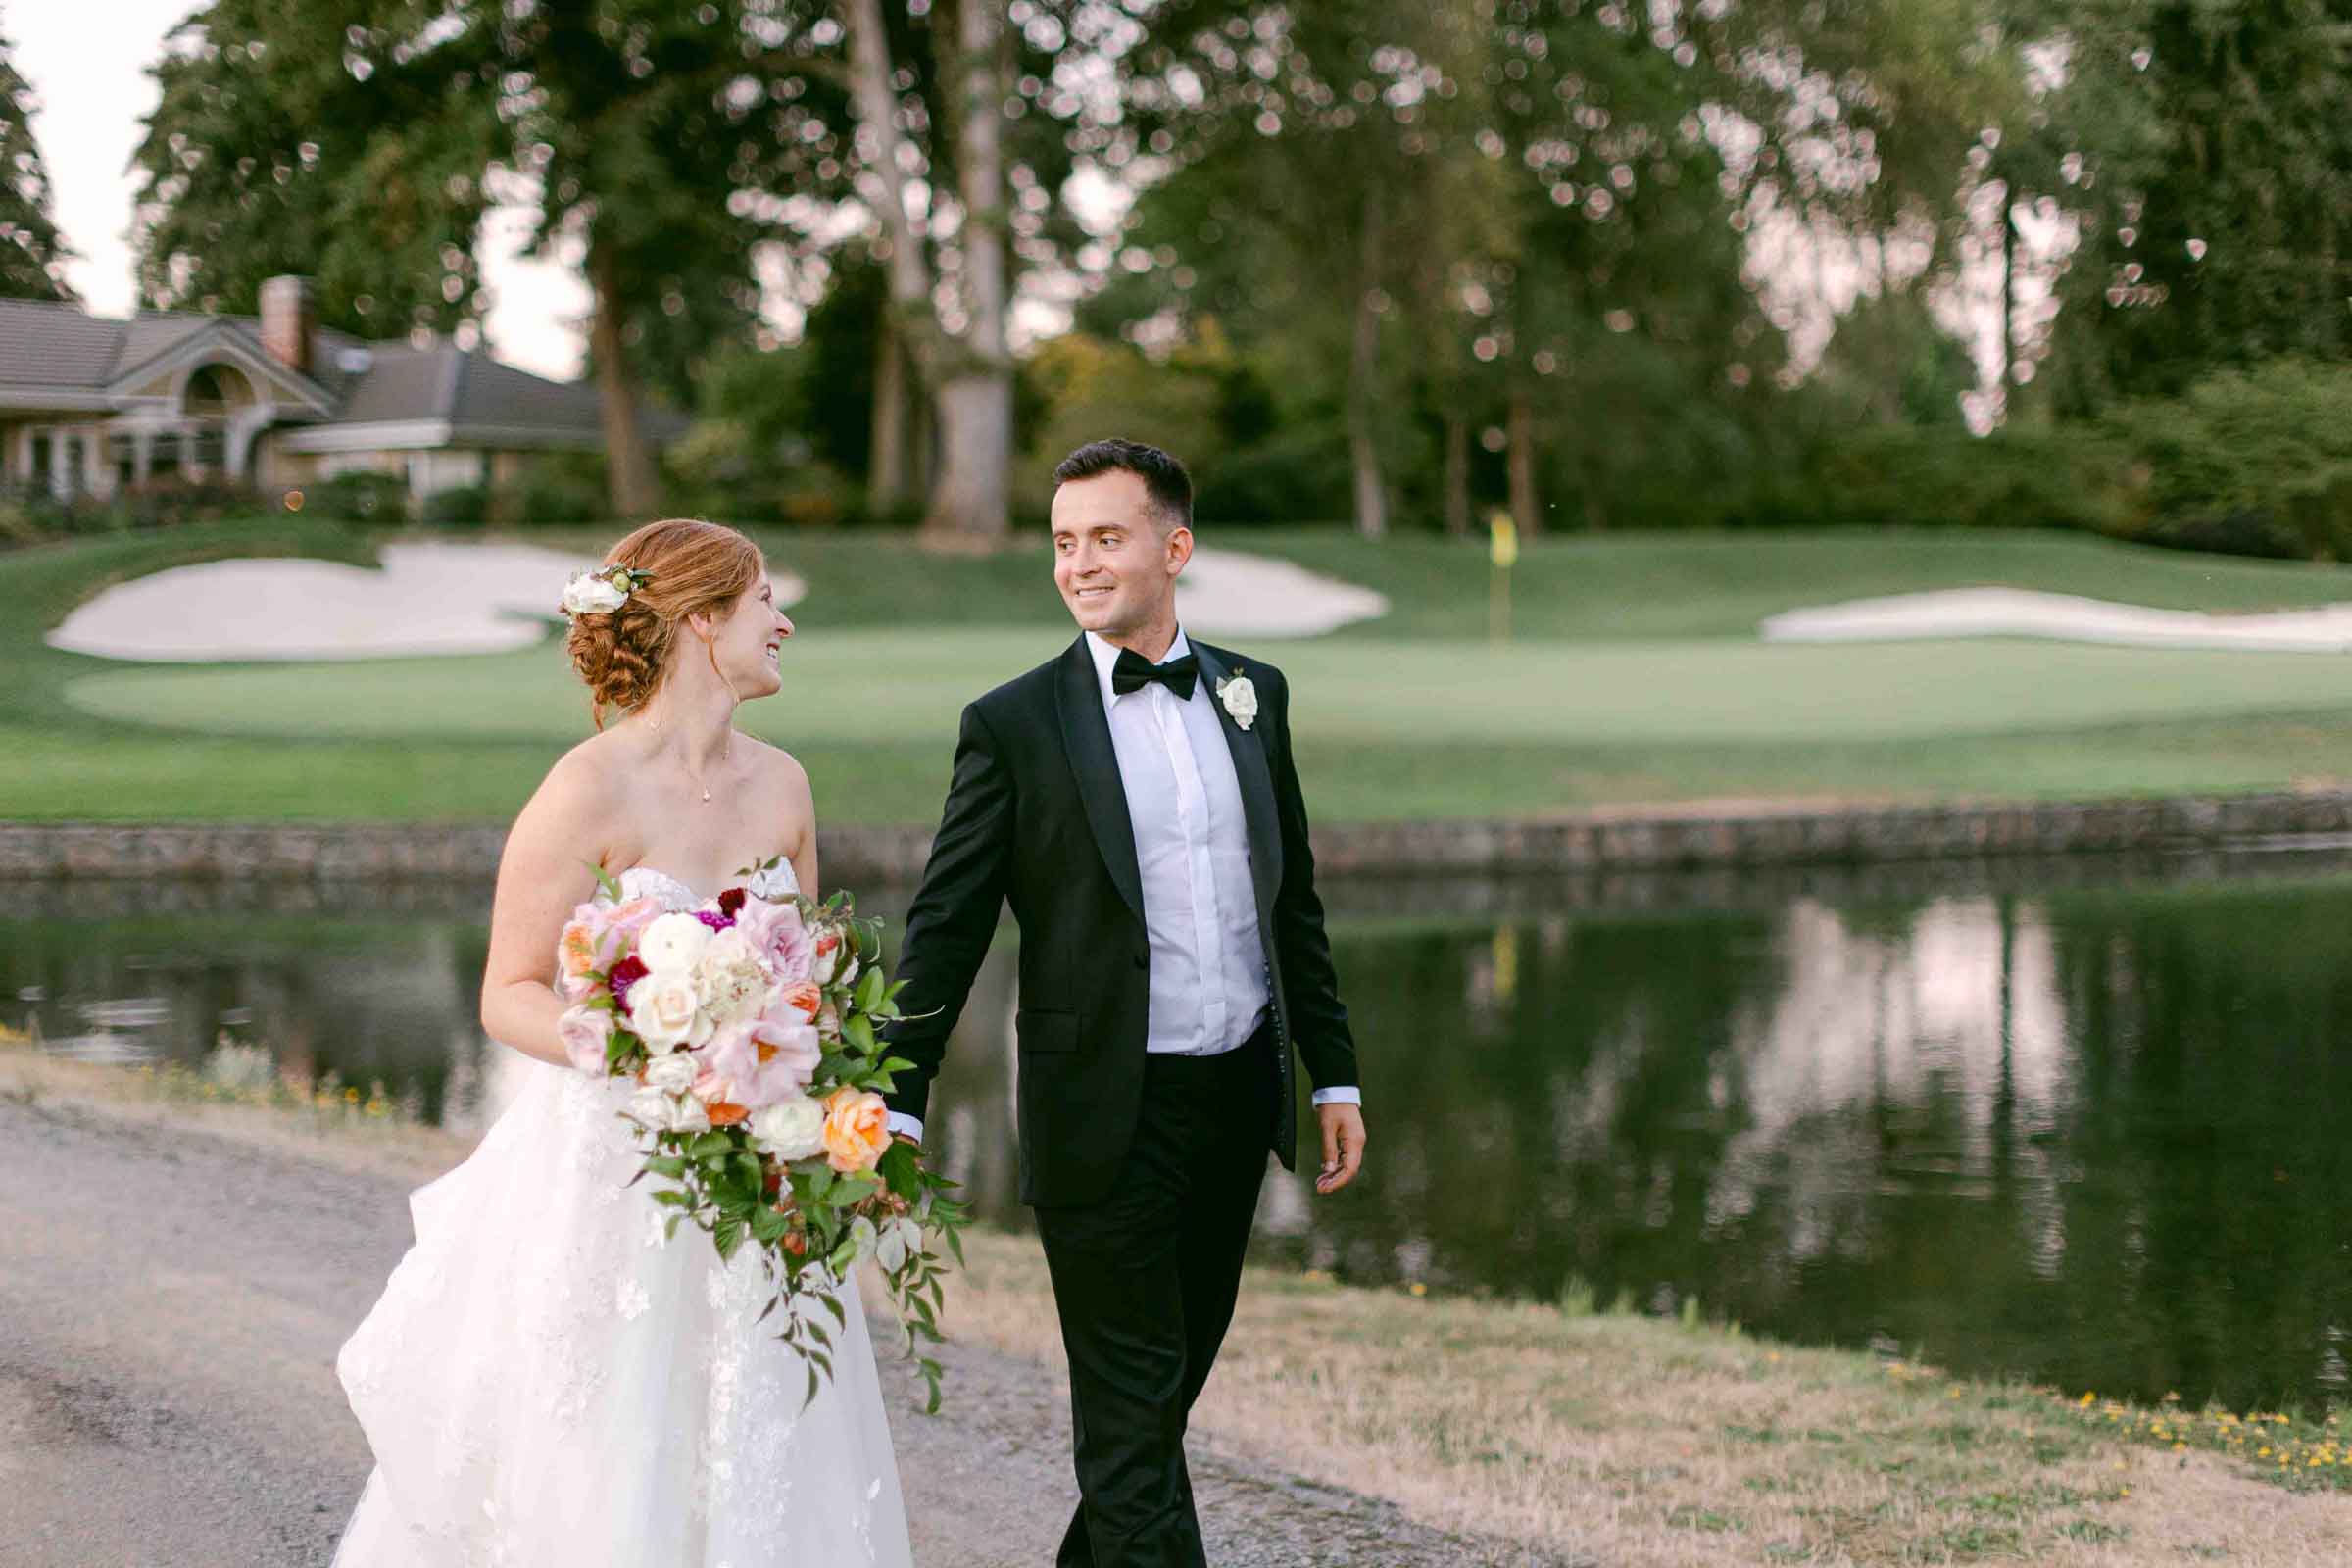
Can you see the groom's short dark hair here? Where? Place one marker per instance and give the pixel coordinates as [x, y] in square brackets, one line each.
[1164, 478]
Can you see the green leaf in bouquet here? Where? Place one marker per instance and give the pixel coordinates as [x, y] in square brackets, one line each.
[605, 882]
[851, 1190]
[843, 1255]
[727, 1237]
[900, 1169]
[870, 991]
[674, 1198]
[859, 1030]
[769, 1226]
[669, 1165]
[817, 1184]
[747, 1167]
[711, 1143]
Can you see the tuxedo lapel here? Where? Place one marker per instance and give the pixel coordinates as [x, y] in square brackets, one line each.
[1257, 780]
[1086, 737]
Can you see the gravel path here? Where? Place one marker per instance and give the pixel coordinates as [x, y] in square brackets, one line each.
[171, 1302]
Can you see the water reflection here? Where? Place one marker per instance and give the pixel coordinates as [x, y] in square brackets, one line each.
[2072, 1121]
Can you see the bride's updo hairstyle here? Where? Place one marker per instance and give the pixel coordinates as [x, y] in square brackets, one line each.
[695, 566]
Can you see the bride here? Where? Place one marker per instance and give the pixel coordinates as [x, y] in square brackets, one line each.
[544, 1381]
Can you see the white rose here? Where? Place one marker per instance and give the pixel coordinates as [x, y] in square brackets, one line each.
[733, 980]
[672, 1074]
[591, 594]
[673, 942]
[1240, 699]
[793, 1128]
[665, 1010]
[657, 1112]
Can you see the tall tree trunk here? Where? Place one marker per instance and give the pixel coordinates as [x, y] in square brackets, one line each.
[1519, 428]
[1458, 472]
[971, 496]
[907, 328]
[630, 482]
[1363, 445]
[2008, 304]
[887, 466]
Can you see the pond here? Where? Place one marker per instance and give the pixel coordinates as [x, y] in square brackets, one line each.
[2081, 1122]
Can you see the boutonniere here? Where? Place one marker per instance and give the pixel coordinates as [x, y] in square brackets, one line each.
[1238, 697]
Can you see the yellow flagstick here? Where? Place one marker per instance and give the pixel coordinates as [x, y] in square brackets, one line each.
[1504, 551]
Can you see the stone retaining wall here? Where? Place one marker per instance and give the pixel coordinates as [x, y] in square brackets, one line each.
[1599, 841]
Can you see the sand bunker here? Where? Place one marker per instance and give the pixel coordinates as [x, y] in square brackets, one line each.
[428, 598]
[2064, 618]
[435, 597]
[1227, 593]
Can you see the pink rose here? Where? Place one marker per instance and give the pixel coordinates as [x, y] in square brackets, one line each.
[758, 1064]
[776, 933]
[595, 940]
[585, 1032]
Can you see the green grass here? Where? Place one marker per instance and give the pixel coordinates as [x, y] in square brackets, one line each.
[1635, 676]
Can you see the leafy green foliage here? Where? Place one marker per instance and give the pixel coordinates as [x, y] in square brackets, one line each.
[32, 255]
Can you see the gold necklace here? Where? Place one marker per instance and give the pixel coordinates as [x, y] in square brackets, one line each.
[697, 777]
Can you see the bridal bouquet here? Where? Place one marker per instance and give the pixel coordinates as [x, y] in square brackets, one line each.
[747, 1025]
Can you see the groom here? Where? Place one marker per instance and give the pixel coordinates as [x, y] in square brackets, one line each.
[1136, 802]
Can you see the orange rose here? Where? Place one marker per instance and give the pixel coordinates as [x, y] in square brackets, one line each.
[724, 1114]
[804, 998]
[857, 1130]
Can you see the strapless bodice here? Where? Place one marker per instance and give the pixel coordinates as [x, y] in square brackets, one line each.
[645, 881]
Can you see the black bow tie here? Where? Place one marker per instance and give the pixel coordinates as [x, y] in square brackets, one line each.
[1133, 671]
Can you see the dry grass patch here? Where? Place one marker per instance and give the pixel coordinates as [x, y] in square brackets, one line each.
[329, 1125]
[1646, 1443]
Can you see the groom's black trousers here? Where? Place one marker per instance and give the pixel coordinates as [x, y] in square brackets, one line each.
[1145, 1281]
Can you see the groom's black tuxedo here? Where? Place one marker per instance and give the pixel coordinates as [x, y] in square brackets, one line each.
[1036, 815]
[1143, 1168]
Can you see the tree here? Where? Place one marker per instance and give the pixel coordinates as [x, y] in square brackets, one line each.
[949, 326]
[2216, 179]
[31, 256]
[273, 148]
[657, 142]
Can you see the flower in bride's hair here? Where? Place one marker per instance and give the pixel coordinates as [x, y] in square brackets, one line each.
[857, 1129]
[673, 942]
[778, 935]
[790, 1128]
[667, 1010]
[585, 1032]
[598, 593]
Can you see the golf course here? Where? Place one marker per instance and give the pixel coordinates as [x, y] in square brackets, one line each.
[1633, 673]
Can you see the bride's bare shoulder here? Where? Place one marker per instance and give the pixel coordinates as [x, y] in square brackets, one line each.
[589, 780]
[775, 766]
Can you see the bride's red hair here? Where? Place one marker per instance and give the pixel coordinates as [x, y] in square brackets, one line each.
[625, 653]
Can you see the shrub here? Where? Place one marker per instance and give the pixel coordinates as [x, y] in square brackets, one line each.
[359, 496]
[464, 506]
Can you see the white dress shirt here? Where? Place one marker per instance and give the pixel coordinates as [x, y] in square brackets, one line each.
[1208, 989]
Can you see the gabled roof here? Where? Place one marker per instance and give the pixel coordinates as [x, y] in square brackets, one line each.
[48, 348]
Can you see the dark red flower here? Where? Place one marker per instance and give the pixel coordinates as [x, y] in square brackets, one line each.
[626, 973]
[730, 902]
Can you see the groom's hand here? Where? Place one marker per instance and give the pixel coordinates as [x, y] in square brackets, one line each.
[1342, 1144]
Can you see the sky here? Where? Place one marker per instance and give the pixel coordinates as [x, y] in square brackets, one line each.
[94, 91]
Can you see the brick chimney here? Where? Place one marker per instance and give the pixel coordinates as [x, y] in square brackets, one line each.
[289, 316]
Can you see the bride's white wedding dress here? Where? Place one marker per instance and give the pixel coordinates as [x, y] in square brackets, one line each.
[547, 1385]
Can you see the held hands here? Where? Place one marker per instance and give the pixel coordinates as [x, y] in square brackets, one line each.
[1342, 1145]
